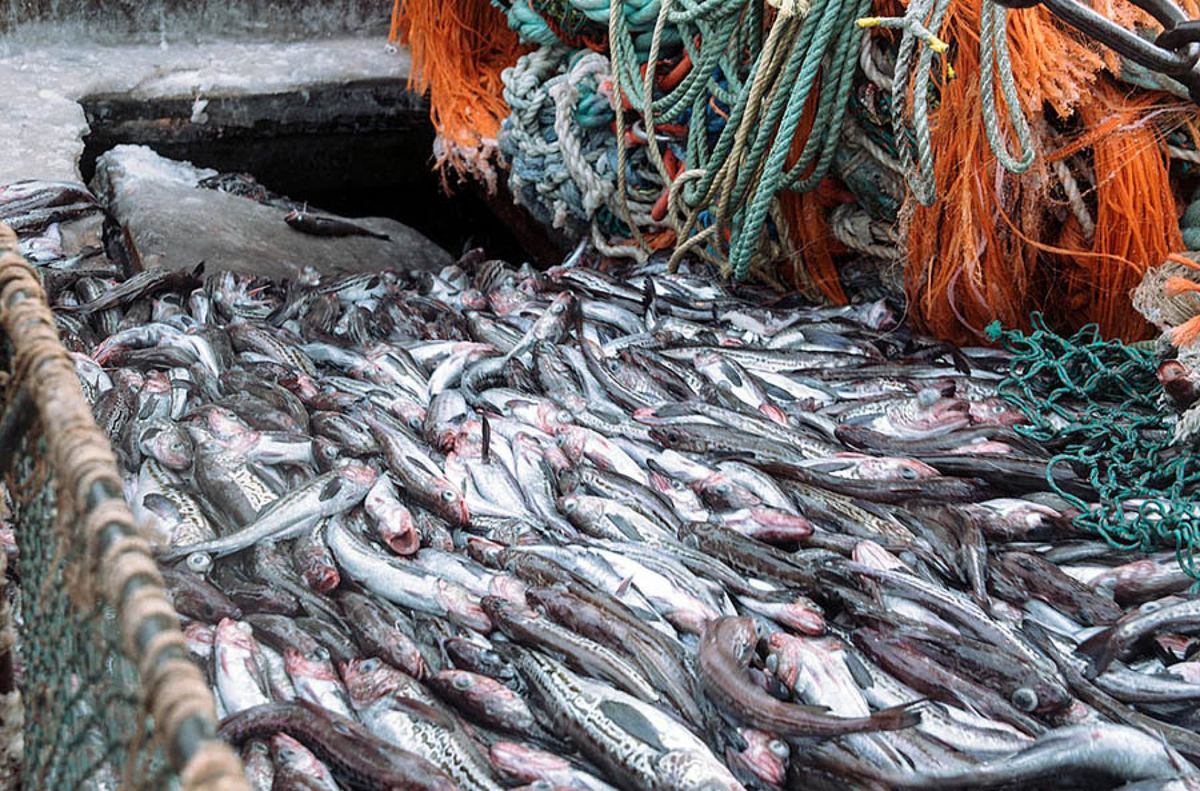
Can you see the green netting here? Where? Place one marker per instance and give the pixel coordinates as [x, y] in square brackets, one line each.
[1097, 405]
[83, 723]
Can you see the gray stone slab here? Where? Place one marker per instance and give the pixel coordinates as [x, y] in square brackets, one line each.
[42, 123]
[173, 223]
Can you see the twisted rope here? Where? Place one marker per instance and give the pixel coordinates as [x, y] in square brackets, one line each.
[122, 573]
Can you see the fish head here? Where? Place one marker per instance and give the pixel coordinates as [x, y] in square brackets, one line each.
[314, 664]
[508, 587]
[885, 468]
[571, 440]
[223, 424]
[801, 615]
[777, 527]
[169, 444]
[157, 383]
[484, 551]
[472, 299]
[475, 687]
[286, 751]
[462, 607]
[199, 638]
[238, 634]
[869, 553]
[361, 475]
[995, 412]
[370, 680]
[449, 503]
[1041, 695]
[721, 492]
[524, 763]
[577, 509]
[319, 571]
[301, 384]
[786, 653]
[765, 756]
[409, 412]
[738, 635]
[672, 437]
[326, 453]
[556, 460]
[690, 771]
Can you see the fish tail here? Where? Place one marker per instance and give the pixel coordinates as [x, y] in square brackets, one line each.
[1100, 649]
[898, 718]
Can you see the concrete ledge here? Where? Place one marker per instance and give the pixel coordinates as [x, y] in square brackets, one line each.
[42, 121]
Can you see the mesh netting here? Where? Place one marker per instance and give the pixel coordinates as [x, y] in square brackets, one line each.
[1097, 405]
[83, 723]
[111, 699]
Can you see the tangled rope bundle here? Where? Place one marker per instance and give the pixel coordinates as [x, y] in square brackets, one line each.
[954, 144]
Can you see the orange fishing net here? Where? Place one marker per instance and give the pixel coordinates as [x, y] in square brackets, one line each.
[1137, 223]
[986, 249]
[458, 49]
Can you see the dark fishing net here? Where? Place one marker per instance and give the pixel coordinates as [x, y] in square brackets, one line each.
[83, 726]
[1097, 405]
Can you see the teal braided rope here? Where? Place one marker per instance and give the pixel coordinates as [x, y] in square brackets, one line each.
[774, 124]
[1095, 403]
[822, 143]
[746, 234]
[695, 191]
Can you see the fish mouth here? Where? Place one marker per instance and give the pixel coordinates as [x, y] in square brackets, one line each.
[405, 542]
[802, 618]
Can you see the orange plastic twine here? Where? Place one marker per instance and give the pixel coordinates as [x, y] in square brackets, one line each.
[458, 49]
[987, 249]
[1137, 223]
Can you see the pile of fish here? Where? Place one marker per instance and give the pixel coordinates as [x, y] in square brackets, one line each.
[583, 529]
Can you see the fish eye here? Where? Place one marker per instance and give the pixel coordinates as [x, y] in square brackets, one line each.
[907, 473]
[199, 562]
[369, 665]
[722, 489]
[461, 682]
[569, 506]
[209, 610]
[692, 541]
[1025, 699]
[779, 749]
[447, 496]
[558, 308]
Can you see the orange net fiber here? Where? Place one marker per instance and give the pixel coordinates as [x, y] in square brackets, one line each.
[983, 250]
[458, 49]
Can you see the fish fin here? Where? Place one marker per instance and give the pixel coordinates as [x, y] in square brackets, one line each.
[632, 722]
[623, 588]
[423, 711]
[622, 524]
[858, 671]
[160, 505]
[1099, 650]
[330, 490]
[906, 715]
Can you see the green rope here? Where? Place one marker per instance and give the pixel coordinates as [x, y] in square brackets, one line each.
[1096, 405]
[994, 53]
[767, 184]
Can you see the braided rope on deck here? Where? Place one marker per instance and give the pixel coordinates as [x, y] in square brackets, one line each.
[122, 569]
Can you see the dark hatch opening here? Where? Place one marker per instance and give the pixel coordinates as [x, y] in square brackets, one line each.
[358, 149]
